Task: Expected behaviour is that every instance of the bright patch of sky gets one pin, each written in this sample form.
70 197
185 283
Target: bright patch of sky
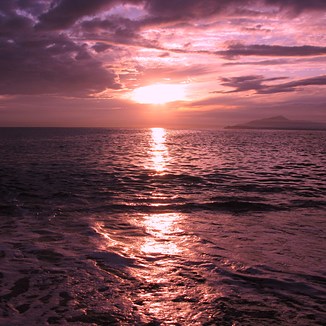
128 11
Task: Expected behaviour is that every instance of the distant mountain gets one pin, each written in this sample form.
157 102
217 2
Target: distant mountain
280 122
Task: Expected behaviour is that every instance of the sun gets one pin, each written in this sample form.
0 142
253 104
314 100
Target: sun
159 93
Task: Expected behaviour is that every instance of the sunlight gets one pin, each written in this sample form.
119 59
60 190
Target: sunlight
99 228
163 229
159 152
159 93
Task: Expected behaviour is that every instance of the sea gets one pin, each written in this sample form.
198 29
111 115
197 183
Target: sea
162 227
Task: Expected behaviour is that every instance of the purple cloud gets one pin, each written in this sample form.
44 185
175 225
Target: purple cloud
238 49
47 49
196 9
298 5
292 86
257 84
31 64
67 12
45 62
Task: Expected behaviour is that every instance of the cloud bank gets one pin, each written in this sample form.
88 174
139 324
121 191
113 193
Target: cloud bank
106 48
257 84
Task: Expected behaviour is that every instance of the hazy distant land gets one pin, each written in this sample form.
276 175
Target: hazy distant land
281 123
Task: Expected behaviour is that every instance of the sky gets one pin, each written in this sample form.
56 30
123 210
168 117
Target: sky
159 63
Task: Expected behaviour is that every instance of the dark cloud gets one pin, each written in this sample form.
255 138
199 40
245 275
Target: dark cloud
31 7
64 13
7 6
206 8
283 61
298 6
292 86
257 83
188 8
246 83
182 10
257 28
116 32
10 25
42 49
61 14
118 28
15 16
238 49
32 64
101 47
39 62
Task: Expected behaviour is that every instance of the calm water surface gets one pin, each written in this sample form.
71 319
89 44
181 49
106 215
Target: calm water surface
162 227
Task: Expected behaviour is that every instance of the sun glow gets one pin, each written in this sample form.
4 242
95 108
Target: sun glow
159 93
159 151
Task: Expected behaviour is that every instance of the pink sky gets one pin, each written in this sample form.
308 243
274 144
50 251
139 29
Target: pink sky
77 63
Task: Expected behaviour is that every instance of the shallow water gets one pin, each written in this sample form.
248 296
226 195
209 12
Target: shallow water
162 227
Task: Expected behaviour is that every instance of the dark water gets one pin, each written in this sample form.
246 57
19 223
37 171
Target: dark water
162 227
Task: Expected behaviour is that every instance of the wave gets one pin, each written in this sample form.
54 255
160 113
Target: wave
232 206
291 286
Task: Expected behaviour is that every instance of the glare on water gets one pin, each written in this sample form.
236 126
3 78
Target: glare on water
158 150
160 247
162 228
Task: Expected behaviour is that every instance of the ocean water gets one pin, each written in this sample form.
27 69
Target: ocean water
162 227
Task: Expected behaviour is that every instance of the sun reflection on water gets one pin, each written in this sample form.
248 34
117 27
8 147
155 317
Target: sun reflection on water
171 288
163 230
159 245
158 151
